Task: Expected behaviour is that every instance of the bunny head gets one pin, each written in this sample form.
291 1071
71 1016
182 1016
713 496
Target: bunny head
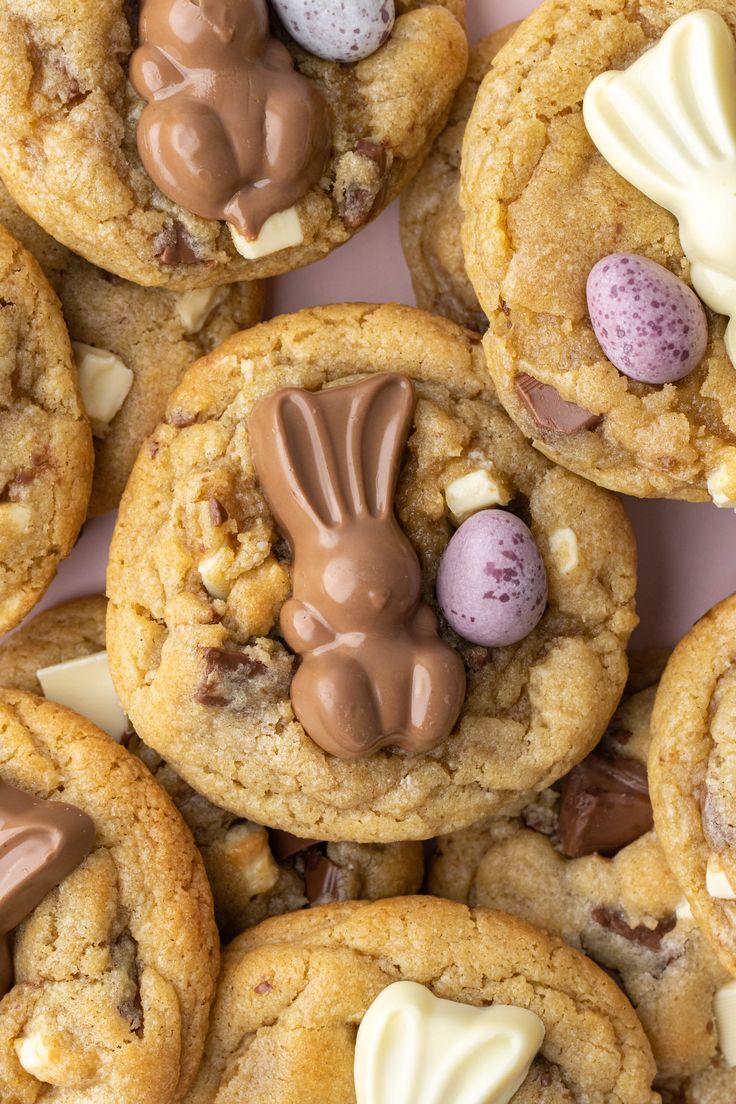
192 29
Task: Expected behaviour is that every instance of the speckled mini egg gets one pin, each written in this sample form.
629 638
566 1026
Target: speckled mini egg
491 584
338 30
650 325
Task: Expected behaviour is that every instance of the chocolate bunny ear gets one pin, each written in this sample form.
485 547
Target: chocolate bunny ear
333 456
41 843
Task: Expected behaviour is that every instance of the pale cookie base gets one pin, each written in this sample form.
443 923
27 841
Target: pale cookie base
45 441
542 207
247 884
431 216
115 970
692 768
293 991
143 327
515 863
531 710
68 152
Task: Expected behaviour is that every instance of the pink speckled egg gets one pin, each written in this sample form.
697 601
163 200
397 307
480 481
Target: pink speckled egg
338 30
650 325
491 584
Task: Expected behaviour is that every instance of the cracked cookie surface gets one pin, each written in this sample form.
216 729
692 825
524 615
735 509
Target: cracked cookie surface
156 333
623 911
46 446
205 680
431 215
252 874
68 118
294 990
542 207
115 970
692 770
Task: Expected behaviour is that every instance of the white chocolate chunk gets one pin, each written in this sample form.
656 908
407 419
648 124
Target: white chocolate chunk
678 145
34 1054
104 382
683 910
85 686
215 571
15 515
724 1008
195 307
722 480
281 231
716 881
413 1046
564 546
473 492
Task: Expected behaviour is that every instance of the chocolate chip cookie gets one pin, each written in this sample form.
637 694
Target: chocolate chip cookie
692 773
115 970
253 872
298 987
200 576
582 861
431 216
132 345
46 452
543 207
73 123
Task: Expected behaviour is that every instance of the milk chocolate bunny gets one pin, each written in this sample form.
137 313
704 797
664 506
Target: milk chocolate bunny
374 671
231 131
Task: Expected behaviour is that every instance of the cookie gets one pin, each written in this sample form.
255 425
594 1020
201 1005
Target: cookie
253 873
431 217
115 970
543 208
297 988
132 345
581 860
383 115
46 456
692 773
199 575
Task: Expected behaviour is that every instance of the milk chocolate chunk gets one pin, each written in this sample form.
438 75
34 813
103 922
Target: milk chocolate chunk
649 938
224 671
231 130
374 671
604 806
284 846
550 410
41 843
321 877
173 248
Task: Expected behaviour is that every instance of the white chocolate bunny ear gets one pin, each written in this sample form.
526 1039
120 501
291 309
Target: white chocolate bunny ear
667 124
414 1048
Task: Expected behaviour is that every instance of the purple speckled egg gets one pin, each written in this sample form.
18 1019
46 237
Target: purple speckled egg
650 325
338 30
491 585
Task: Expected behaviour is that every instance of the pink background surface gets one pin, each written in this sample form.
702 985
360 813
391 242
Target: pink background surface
686 552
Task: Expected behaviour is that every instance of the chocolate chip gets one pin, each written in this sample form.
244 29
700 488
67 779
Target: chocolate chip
550 410
181 420
357 206
263 987
475 658
649 938
374 151
546 1079
321 877
173 246
225 670
604 806
284 846
218 513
